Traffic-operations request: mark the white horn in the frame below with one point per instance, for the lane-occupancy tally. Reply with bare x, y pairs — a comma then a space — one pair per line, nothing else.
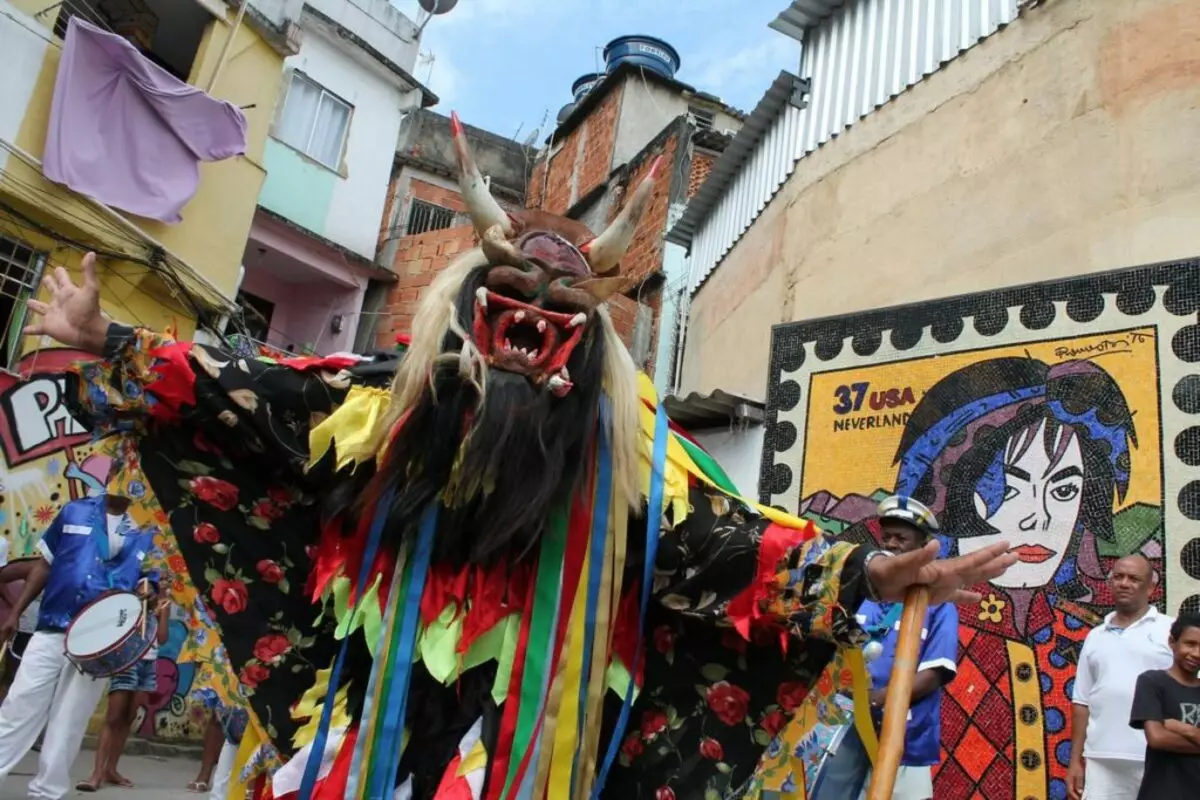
604, 252
485, 211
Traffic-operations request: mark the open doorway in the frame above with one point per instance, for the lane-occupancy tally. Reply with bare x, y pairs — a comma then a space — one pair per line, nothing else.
167, 32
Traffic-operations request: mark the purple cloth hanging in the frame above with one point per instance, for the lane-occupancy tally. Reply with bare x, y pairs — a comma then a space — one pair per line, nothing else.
126, 132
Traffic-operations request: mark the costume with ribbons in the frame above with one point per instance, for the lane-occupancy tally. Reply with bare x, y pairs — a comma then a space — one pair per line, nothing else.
516, 580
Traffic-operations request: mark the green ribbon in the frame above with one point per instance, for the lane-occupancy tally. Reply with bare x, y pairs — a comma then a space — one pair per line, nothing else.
711, 469
546, 596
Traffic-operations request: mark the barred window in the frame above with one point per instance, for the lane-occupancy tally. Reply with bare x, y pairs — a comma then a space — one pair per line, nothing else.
703, 119
20, 271
424, 217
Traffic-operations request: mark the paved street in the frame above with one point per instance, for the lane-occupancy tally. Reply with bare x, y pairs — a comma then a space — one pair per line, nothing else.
156, 778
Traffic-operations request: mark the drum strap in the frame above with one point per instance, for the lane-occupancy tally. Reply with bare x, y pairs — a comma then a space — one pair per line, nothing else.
881, 628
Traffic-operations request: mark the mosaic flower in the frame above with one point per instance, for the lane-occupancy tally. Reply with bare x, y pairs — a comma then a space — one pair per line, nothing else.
44, 515
990, 608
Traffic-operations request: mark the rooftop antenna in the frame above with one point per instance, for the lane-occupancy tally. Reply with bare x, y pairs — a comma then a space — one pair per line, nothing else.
427, 58
432, 9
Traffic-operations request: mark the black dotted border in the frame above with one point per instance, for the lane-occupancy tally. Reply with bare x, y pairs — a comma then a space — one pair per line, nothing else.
1086, 298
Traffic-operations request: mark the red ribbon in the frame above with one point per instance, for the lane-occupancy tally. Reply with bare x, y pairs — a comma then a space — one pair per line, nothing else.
777, 543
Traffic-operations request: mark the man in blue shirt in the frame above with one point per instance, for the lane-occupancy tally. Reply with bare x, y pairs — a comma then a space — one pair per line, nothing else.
903, 525
92, 547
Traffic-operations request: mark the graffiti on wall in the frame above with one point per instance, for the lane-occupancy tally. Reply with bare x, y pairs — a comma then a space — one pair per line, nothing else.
1060, 417
48, 461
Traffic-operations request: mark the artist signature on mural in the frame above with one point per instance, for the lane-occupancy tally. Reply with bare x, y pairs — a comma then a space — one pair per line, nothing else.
1119, 344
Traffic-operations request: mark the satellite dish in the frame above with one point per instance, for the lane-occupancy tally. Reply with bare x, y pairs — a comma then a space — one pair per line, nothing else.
438, 6
531, 138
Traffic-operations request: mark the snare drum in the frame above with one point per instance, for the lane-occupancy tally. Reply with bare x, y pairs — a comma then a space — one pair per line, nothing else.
107, 636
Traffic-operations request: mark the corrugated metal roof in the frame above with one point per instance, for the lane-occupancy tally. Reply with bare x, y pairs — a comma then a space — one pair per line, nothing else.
804, 14
857, 57
785, 87
713, 410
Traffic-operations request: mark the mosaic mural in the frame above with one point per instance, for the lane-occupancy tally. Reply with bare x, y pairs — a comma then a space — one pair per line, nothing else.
49, 461
1063, 417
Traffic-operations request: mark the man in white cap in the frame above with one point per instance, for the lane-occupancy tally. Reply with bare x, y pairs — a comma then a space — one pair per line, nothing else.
903, 525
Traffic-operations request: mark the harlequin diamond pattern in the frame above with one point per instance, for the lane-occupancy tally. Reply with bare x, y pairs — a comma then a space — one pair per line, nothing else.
969, 685
995, 719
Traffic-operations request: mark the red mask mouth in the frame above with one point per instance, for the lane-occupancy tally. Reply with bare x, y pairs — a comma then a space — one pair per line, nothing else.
527, 340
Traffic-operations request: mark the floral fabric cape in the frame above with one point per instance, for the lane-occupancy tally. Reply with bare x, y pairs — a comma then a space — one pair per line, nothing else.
748, 612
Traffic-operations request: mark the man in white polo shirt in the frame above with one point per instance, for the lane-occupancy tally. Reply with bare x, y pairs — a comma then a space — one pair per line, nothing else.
1108, 756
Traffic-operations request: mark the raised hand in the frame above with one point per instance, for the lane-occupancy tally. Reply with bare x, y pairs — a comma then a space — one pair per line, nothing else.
73, 314
946, 578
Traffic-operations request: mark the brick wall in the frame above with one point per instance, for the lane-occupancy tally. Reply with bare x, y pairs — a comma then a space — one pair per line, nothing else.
645, 254
418, 259
623, 311
702, 164
438, 195
581, 162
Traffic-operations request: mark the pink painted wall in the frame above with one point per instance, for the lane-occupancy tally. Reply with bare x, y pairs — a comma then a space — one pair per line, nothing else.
303, 310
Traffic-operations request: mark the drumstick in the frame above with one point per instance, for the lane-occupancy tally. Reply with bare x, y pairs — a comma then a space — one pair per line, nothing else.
899, 695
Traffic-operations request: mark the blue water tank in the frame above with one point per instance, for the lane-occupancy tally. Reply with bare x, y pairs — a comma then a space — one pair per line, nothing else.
584, 83
643, 51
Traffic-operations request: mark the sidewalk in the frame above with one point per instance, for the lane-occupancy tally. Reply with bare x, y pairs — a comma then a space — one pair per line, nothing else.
155, 778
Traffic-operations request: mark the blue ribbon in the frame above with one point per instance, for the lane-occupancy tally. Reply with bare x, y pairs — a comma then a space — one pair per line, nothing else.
654, 512
396, 698
317, 755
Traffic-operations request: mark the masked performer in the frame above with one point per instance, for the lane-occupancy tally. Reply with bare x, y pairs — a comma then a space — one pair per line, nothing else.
502, 577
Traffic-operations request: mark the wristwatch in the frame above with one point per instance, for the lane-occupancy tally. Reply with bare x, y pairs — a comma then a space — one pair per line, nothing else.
872, 593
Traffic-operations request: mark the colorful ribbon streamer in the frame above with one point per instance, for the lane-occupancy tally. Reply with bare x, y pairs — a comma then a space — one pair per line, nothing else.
654, 512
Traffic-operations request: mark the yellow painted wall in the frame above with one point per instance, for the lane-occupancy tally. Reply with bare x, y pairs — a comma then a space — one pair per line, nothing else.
216, 223
210, 239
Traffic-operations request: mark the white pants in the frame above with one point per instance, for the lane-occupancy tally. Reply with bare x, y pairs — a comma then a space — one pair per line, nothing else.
47, 689
1112, 779
223, 772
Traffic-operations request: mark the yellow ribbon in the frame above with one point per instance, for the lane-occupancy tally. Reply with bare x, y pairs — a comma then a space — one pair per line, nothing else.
560, 734
352, 428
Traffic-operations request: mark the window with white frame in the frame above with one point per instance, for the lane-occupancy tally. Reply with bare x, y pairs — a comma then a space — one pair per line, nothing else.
315, 121
20, 270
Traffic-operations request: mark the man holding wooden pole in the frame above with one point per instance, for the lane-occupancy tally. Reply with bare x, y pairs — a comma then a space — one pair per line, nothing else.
902, 526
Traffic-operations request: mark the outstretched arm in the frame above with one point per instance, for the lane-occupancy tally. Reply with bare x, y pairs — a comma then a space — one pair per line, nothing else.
724, 561
255, 404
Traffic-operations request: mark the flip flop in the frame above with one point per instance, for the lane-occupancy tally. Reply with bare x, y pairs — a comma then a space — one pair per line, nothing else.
198, 787
87, 786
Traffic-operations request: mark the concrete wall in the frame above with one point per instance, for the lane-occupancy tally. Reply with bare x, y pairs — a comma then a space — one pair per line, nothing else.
379, 23
739, 452
425, 138
1060, 146
345, 205
646, 107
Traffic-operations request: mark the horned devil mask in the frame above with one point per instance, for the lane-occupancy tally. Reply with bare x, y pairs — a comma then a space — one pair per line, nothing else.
546, 278
499, 422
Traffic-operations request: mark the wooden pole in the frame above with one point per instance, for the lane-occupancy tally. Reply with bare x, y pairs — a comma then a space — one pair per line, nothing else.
899, 695
233, 32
